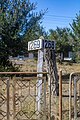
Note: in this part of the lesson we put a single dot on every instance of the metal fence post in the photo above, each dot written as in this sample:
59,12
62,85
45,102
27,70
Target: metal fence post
75,94
14,87
60,95
44,99
8,99
70,93
79,95
75,99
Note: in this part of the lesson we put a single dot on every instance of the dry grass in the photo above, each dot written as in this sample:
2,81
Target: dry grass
31,66
69,68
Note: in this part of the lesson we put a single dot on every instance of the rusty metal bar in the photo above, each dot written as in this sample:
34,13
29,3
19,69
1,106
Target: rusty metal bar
70,91
8,99
0,87
79,95
60,95
22,73
44,99
75,98
49,98
14,89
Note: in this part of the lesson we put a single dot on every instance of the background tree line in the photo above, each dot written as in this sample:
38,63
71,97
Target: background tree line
68,38
19,23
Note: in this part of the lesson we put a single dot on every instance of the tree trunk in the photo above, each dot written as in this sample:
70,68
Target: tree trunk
50,60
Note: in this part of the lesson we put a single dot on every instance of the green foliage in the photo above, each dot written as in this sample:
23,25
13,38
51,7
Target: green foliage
62,37
68,39
35,33
17,18
75,34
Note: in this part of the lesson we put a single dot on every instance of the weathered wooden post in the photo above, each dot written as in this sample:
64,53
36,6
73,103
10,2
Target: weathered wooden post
37,45
46,49
39,85
50,60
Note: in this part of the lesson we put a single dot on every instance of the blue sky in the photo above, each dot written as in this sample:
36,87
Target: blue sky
60,12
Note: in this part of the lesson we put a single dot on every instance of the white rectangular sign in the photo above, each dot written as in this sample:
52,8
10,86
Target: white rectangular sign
35,45
39,44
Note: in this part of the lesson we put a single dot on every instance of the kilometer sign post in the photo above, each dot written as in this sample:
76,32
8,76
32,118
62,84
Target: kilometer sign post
40,45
